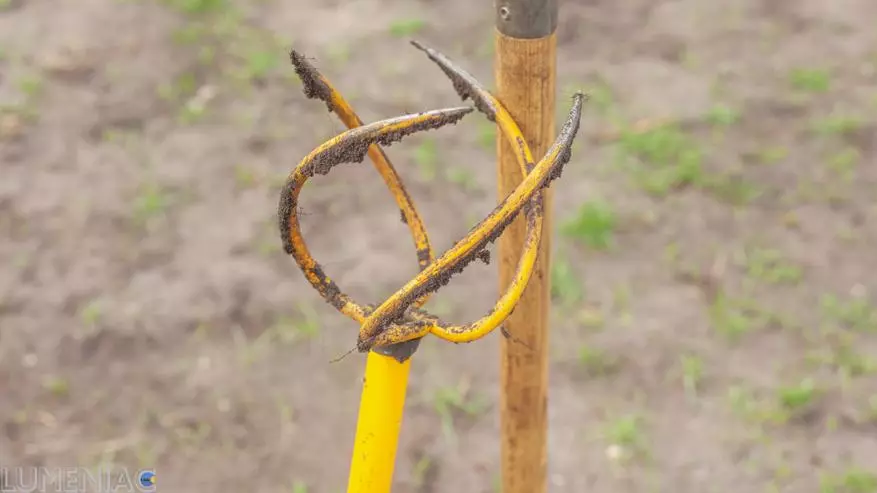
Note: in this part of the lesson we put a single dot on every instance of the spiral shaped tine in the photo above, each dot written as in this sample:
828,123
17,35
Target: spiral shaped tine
400,317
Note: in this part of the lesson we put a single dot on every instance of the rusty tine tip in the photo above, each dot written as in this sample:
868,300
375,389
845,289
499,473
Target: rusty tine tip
418,45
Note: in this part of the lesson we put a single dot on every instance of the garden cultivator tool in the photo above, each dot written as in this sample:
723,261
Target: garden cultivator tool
390,331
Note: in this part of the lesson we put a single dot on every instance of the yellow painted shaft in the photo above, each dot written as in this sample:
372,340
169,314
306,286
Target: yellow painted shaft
380,419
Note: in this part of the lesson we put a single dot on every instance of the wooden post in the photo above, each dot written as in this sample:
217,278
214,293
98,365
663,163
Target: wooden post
525,68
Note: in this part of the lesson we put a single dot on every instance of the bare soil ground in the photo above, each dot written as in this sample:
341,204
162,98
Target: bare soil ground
716,244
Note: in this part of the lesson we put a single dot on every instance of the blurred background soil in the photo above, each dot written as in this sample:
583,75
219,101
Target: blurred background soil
716,243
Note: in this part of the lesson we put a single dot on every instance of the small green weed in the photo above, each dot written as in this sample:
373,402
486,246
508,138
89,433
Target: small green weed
487,135
152,201
31,86
730,319
621,296
797,397
190,34
56,385
182,87
670,158
285,330
594,224
91,313
743,401
722,115
426,158
596,362
308,322
812,80
731,188
838,124
406,27
844,162
423,469
857,314
590,318
772,155
450,401
845,359
244,176
462,177
692,372
197,7
259,63
853,480
628,433
565,285
770,266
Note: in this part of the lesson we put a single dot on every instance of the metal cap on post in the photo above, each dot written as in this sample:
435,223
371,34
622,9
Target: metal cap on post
526,19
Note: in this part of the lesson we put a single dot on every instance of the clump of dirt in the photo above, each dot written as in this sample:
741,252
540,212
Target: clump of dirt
464,84
312,82
353,146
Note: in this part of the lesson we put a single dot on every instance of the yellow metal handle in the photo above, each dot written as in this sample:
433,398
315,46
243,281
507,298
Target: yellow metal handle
380,419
